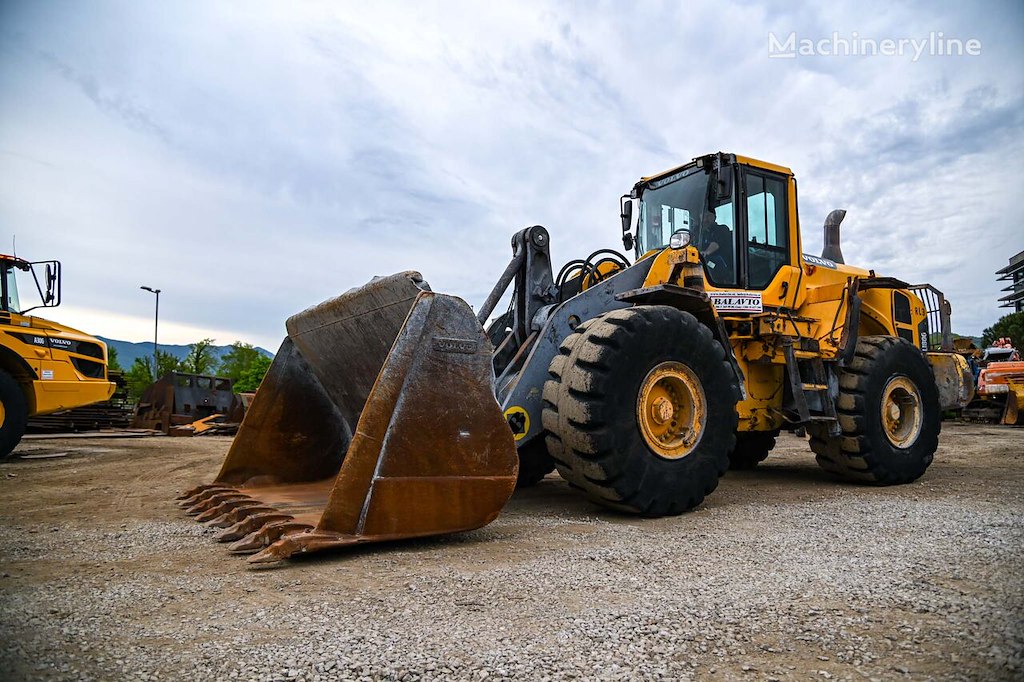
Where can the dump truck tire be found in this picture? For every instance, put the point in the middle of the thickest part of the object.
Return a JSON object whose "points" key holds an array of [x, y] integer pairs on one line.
{"points": [[13, 414], [534, 463], [752, 448], [888, 410], [640, 410]]}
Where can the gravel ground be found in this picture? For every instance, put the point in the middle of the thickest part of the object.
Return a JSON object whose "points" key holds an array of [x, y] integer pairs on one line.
{"points": [[782, 574]]}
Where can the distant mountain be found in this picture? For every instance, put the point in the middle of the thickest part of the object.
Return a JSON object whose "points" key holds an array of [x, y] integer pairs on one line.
{"points": [[127, 351]]}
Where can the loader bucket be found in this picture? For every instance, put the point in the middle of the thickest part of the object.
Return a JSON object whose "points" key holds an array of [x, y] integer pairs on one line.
{"points": [[377, 421], [1014, 412]]}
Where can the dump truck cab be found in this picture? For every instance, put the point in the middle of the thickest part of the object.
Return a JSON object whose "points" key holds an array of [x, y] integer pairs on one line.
{"points": [[45, 367]]}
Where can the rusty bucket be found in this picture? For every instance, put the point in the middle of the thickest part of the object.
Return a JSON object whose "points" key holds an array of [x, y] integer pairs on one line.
{"points": [[377, 421], [1013, 415]]}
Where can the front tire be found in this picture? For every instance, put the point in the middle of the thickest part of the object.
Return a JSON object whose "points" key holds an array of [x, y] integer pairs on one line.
{"points": [[641, 410], [889, 414], [13, 414]]}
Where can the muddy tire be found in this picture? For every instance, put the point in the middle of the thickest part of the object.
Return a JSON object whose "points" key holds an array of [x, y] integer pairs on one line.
{"points": [[889, 414], [640, 410], [534, 463], [13, 414], [752, 448]]}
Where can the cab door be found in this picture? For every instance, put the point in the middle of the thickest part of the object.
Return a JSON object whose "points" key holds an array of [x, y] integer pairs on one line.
{"points": [[766, 251]]}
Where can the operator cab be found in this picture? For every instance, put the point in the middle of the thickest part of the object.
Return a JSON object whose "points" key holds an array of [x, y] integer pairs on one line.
{"points": [[735, 214]]}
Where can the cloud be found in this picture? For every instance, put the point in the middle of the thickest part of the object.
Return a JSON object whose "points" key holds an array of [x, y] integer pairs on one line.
{"points": [[254, 160]]}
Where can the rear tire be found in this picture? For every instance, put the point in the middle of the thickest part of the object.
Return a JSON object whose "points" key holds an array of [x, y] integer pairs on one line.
{"points": [[616, 410], [889, 413], [752, 448], [13, 414]]}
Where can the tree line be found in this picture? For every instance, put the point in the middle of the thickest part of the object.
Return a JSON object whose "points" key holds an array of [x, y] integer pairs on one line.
{"points": [[243, 364], [1008, 327]]}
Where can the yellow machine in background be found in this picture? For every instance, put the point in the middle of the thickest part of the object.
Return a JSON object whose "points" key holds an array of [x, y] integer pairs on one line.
{"points": [[394, 411], [45, 367]]}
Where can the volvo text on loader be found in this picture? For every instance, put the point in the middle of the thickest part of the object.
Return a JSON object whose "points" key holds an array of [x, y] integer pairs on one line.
{"points": [[393, 411], [45, 367]]}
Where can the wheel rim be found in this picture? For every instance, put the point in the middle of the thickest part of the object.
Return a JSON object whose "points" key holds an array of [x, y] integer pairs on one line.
{"points": [[3, 414], [671, 410], [901, 411]]}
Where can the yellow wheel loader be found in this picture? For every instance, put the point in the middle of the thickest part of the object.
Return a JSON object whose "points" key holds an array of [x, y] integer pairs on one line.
{"points": [[393, 411], [45, 367]]}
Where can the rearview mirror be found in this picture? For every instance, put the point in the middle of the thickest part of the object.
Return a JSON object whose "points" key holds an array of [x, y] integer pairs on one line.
{"points": [[51, 279], [49, 288], [630, 215], [723, 183]]}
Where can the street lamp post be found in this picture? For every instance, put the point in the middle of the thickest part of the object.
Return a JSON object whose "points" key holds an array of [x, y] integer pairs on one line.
{"points": [[156, 326]]}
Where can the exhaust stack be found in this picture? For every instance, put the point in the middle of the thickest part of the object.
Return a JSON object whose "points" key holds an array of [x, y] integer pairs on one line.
{"points": [[832, 222]]}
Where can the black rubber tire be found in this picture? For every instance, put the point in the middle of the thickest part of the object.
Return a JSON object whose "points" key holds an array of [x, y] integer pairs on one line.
{"points": [[590, 410], [534, 463], [863, 452], [15, 414], [752, 448]]}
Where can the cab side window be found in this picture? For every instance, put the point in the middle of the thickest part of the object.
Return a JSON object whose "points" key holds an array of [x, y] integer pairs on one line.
{"points": [[767, 234]]}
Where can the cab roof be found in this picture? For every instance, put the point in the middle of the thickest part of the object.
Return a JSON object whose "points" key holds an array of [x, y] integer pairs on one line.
{"points": [[746, 160], [13, 259]]}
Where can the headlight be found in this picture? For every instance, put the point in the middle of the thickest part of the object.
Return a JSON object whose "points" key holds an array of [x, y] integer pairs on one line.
{"points": [[679, 239], [996, 388]]}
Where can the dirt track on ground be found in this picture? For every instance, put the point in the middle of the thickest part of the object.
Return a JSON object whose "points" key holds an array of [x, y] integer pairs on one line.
{"points": [[782, 573]]}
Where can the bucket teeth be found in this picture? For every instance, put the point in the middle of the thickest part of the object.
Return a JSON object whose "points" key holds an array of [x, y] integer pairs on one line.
{"points": [[222, 508], [282, 548], [248, 544], [251, 524], [195, 491], [245, 512], [202, 495], [213, 501], [238, 515], [266, 536], [230, 515]]}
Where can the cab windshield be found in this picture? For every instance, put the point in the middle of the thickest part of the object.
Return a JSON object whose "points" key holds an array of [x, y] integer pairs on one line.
{"points": [[672, 204], [681, 202]]}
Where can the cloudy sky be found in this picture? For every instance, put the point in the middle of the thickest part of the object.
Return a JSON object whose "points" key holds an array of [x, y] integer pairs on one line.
{"points": [[251, 159]]}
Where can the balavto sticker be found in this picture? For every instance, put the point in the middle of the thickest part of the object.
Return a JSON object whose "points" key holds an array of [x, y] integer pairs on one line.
{"points": [[736, 301], [819, 261]]}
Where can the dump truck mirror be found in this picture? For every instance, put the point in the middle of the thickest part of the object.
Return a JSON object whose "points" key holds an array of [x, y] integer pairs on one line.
{"points": [[49, 288], [50, 279]]}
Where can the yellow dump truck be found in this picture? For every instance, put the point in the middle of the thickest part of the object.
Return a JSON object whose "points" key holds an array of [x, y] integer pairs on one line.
{"points": [[45, 367], [394, 411]]}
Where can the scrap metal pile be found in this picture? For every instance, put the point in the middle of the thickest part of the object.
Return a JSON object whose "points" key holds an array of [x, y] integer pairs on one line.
{"points": [[181, 404]]}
